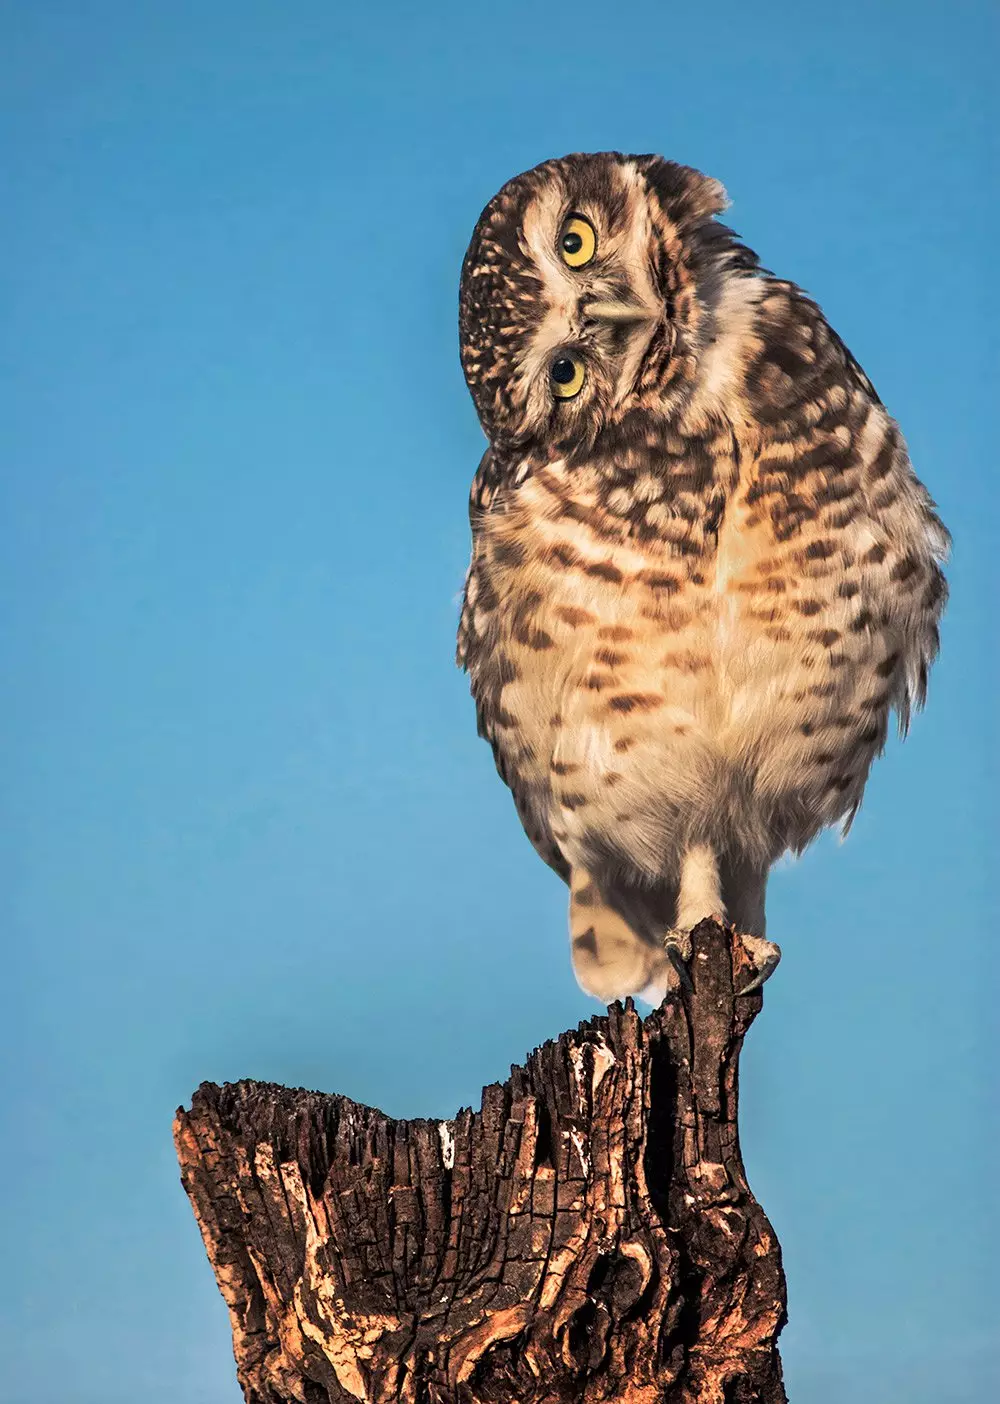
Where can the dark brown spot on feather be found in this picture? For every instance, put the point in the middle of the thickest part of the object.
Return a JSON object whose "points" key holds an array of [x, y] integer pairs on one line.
{"points": [[824, 636], [580, 512], [682, 661], [508, 552], [603, 570], [884, 458], [586, 942], [819, 550], [506, 670], [564, 555], [616, 632], [573, 616], [884, 499], [659, 580], [572, 801], [935, 591], [635, 701], [808, 607], [888, 665], [875, 556], [624, 743], [563, 767], [537, 639]]}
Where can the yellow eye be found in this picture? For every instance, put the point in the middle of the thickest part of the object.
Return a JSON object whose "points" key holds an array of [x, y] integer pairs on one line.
{"points": [[567, 376], [577, 242]]}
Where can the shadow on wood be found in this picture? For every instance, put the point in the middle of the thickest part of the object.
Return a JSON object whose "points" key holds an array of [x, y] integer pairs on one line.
{"points": [[588, 1235]]}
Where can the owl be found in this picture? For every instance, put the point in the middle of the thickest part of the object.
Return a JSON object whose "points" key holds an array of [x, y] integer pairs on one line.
{"points": [[703, 570]]}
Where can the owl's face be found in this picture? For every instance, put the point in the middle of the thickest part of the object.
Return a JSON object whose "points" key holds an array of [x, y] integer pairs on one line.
{"points": [[583, 291]]}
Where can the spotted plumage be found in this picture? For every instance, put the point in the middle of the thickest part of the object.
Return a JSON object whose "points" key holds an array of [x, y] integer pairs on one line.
{"points": [[703, 571]]}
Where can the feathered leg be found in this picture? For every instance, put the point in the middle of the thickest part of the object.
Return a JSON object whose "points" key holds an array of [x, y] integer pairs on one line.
{"points": [[610, 959]]}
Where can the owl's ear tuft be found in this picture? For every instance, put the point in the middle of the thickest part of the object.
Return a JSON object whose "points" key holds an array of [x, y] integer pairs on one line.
{"points": [[688, 197]]}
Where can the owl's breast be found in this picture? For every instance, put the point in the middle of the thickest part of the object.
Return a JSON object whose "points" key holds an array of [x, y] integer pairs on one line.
{"points": [[598, 668], [632, 686], [592, 627]]}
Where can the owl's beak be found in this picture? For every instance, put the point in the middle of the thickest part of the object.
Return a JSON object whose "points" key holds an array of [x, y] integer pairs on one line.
{"points": [[619, 312]]}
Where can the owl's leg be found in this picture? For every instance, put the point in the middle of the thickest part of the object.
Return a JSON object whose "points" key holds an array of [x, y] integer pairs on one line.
{"points": [[700, 893], [610, 959], [744, 885], [733, 889], [699, 896]]}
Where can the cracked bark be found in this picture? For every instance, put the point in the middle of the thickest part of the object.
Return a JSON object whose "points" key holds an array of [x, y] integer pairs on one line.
{"points": [[588, 1235]]}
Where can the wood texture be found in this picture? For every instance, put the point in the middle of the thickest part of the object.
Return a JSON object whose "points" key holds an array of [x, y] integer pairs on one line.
{"points": [[588, 1235]]}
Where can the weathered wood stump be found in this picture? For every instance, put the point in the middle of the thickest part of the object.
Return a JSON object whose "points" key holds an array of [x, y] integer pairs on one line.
{"points": [[588, 1235]]}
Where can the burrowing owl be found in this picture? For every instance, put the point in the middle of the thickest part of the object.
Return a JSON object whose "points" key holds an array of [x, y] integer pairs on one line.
{"points": [[703, 571]]}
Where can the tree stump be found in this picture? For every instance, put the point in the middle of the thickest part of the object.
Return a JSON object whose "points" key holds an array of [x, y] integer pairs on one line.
{"points": [[589, 1235]]}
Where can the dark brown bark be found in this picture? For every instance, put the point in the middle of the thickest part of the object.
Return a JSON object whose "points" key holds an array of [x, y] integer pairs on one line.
{"points": [[588, 1235]]}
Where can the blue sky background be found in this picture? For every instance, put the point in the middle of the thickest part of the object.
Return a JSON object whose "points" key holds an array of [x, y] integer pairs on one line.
{"points": [[247, 827]]}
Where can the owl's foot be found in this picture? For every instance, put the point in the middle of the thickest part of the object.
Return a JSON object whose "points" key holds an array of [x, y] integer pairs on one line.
{"points": [[765, 956], [610, 959], [677, 945]]}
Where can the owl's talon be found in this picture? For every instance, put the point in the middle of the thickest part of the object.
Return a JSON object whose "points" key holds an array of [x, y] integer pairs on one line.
{"points": [[765, 956], [677, 945]]}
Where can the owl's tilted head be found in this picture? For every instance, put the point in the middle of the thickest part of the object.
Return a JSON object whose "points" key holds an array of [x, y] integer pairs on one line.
{"points": [[586, 293]]}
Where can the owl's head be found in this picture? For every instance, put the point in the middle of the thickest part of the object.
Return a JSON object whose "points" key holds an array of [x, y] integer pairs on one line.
{"points": [[585, 292]]}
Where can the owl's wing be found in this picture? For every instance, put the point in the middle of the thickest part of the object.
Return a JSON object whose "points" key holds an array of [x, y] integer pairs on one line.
{"points": [[479, 654], [849, 518], [477, 606], [477, 650]]}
